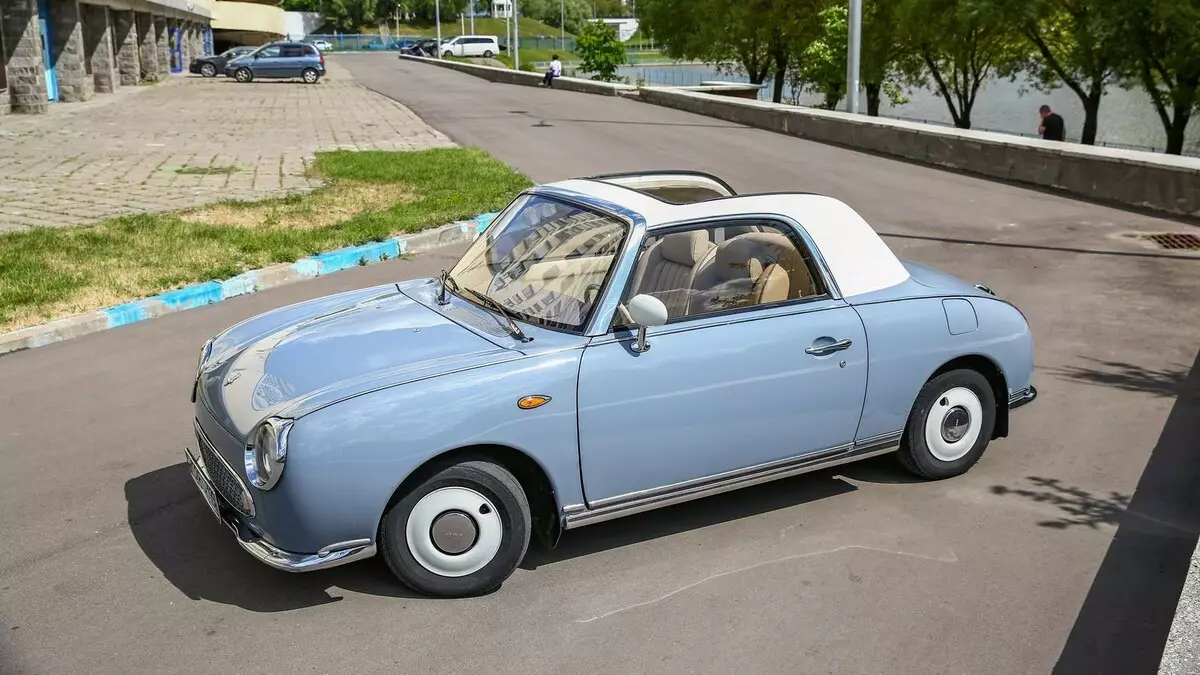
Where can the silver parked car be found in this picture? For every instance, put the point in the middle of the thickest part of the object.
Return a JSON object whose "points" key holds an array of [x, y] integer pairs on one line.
{"points": [[566, 371]]}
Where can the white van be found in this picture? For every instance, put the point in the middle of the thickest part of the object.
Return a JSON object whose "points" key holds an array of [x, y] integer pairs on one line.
{"points": [[486, 46]]}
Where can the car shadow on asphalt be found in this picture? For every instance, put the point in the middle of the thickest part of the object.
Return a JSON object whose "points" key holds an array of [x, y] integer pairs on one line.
{"points": [[200, 557], [693, 515]]}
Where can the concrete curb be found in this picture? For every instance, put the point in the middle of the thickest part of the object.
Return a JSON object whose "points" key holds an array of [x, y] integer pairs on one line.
{"points": [[528, 79], [210, 292]]}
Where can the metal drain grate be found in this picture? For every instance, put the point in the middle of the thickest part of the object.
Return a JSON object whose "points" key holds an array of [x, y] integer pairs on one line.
{"points": [[1175, 241]]}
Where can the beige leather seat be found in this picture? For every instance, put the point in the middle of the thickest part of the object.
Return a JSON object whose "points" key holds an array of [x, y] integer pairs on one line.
{"points": [[667, 270], [750, 269]]}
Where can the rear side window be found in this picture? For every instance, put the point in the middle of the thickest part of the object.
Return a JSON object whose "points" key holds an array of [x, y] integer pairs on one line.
{"points": [[292, 51]]}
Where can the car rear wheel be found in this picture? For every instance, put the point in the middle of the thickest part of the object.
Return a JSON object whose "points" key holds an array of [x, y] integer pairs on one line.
{"points": [[311, 75], [462, 532], [950, 425], [487, 54], [243, 75], [208, 70]]}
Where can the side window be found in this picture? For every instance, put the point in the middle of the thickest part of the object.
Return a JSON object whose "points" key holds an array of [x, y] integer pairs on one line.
{"points": [[291, 51], [724, 267], [268, 52]]}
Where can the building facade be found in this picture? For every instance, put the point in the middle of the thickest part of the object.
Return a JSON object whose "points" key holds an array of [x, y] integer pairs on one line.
{"points": [[66, 50]]}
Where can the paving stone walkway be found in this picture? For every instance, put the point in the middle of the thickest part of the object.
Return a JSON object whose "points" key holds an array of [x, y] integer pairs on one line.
{"points": [[166, 146]]}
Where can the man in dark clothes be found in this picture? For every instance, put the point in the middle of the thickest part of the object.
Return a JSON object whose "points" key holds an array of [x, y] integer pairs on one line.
{"points": [[1053, 128]]}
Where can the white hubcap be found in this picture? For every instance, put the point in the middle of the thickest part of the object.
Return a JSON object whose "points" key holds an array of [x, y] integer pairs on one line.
{"points": [[454, 531], [953, 423]]}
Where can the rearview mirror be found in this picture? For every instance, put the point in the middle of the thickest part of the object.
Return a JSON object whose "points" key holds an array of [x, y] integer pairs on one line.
{"points": [[645, 310]]}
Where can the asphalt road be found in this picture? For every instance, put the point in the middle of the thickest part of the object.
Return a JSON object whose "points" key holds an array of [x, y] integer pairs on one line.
{"points": [[111, 564]]}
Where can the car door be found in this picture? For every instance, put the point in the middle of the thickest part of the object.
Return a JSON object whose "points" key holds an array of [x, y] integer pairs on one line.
{"points": [[291, 60], [265, 62], [737, 379]]}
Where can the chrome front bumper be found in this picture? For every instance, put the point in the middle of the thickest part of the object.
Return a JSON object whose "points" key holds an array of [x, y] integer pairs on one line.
{"points": [[333, 555], [1022, 397]]}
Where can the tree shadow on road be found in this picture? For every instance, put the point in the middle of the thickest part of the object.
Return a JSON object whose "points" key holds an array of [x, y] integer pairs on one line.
{"points": [[1127, 615], [1127, 376], [199, 556], [1082, 508]]}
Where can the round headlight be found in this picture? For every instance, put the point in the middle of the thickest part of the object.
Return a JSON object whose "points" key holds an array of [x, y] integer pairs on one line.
{"points": [[266, 454]]}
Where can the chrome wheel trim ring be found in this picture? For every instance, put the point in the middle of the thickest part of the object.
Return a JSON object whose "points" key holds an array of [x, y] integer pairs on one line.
{"points": [[944, 421], [419, 531]]}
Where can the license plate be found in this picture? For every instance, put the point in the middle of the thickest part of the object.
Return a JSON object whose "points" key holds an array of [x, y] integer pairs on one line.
{"points": [[210, 495]]}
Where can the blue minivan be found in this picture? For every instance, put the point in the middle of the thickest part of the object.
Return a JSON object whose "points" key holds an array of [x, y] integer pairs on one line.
{"points": [[279, 60]]}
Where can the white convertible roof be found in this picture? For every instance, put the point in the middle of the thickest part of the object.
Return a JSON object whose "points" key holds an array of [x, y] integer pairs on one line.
{"points": [[858, 258]]}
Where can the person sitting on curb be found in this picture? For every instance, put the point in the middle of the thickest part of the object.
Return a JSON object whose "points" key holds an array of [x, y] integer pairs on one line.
{"points": [[553, 71]]}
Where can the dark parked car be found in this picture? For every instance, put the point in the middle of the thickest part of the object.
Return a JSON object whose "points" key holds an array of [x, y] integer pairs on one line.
{"points": [[209, 66], [422, 48], [279, 60]]}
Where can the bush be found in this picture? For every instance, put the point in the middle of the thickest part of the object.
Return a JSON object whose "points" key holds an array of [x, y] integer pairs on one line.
{"points": [[600, 51]]}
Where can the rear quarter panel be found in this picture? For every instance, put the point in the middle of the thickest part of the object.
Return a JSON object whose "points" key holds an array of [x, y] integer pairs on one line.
{"points": [[910, 339], [345, 461]]}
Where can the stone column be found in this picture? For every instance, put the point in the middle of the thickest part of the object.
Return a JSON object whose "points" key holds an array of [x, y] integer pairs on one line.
{"points": [[25, 71], [185, 45], [147, 46], [70, 66], [164, 47], [125, 40], [98, 48]]}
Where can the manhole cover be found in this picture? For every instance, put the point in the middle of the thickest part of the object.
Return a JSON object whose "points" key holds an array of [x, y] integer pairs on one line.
{"points": [[1175, 241]]}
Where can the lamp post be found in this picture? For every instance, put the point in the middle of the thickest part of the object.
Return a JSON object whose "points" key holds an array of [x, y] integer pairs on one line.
{"points": [[516, 37], [562, 25], [854, 50], [437, 18], [472, 17]]}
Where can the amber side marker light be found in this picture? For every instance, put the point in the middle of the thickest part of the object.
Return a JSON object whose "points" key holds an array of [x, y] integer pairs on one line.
{"points": [[531, 402]]}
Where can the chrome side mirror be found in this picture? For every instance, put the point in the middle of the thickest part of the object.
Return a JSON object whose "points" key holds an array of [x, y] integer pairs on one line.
{"points": [[645, 310]]}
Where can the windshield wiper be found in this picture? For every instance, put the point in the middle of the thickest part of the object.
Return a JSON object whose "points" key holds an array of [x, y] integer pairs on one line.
{"points": [[511, 324]]}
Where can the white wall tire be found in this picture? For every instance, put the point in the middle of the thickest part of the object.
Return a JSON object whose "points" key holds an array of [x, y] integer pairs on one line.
{"points": [[460, 532], [950, 425]]}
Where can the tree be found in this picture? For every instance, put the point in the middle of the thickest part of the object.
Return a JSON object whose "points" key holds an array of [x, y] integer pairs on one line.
{"points": [[1162, 38], [1078, 43], [713, 31], [350, 15], [960, 45], [600, 51], [820, 65]]}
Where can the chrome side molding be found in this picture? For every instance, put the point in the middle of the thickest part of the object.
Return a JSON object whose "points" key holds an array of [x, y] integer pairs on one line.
{"points": [[578, 515]]}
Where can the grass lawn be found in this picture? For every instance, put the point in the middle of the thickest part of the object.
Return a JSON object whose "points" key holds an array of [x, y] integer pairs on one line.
{"points": [[50, 273]]}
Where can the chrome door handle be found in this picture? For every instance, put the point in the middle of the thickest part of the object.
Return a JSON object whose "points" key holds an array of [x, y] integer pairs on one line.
{"points": [[830, 348]]}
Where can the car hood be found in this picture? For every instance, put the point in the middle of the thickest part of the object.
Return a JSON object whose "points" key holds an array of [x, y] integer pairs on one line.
{"points": [[310, 355]]}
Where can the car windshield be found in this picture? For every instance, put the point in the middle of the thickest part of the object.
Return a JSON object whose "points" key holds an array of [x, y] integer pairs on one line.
{"points": [[544, 260]]}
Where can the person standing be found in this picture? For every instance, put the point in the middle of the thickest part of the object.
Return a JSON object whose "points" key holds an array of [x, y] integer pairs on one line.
{"points": [[553, 71], [1052, 128]]}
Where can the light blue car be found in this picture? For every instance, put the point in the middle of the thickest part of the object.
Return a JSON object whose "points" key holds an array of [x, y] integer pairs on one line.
{"points": [[607, 346]]}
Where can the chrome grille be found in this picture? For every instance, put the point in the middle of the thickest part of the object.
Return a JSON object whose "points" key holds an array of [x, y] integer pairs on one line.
{"points": [[227, 484]]}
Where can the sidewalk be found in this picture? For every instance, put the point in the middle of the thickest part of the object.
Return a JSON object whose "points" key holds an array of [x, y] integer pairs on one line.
{"points": [[1181, 656], [187, 142]]}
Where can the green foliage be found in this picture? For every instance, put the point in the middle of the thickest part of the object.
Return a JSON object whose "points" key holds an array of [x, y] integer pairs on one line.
{"points": [[600, 51], [821, 65], [961, 44], [348, 15]]}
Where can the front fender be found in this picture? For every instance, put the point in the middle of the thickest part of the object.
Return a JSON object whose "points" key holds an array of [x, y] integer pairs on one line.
{"points": [[345, 461]]}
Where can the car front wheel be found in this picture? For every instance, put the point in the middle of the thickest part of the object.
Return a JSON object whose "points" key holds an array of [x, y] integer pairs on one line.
{"points": [[447, 53], [208, 70], [311, 75], [950, 425], [243, 75], [461, 532]]}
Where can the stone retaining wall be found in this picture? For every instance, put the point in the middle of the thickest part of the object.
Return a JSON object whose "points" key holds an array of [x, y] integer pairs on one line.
{"points": [[508, 76], [1165, 183]]}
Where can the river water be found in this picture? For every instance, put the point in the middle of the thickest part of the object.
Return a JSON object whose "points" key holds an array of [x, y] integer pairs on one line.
{"points": [[1127, 117]]}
